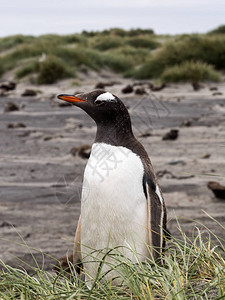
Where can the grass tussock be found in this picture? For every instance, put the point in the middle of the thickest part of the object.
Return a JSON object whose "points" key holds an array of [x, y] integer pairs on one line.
{"points": [[119, 32], [143, 42], [208, 49], [51, 70], [218, 30], [79, 56], [14, 40], [108, 42], [48, 71], [27, 69], [192, 269], [193, 72], [119, 63]]}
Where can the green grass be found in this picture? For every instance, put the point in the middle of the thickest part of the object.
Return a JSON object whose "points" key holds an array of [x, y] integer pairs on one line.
{"points": [[48, 71], [93, 50], [108, 42], [118, 63], [119, 32], [14, 40], [219, 30], [79, 56], [208, 49], [27, 69], [19, 55], [1, 69], [137, 53], [51, 70], [143, 42], [189, 71], [192, 269]]}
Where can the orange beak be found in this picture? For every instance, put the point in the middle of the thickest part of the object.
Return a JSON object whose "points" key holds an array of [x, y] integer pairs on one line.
{"points": [[70, 98]]}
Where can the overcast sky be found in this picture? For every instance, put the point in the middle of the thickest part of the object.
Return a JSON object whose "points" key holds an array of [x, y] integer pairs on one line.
{"points": [[68, 16]]}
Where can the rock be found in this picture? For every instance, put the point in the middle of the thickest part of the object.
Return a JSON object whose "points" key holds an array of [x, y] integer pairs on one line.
{"points": [[29, 92], [83, 151], [16, 125], [176, 162], [217, 94], [3, 93], [213, 88], [7, 224], [196, 86], [47, 138], [206, 155], [127, 89], [157, 87], [146, 134], [140, 91], [217, 189], [171, 135], [10, 106], [24, 134], [50, 137], [100, 85], [8, 85], [162, 173], [187, 123], [22, 105]]}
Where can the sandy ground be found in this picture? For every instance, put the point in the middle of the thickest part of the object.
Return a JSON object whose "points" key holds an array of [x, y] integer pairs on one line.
{"points": [[40, 181]]}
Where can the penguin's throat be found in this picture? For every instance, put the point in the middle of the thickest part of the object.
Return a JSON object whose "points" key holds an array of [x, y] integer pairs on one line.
{"points": [[115, 134]]}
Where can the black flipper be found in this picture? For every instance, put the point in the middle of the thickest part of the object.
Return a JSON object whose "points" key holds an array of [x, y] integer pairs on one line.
{"points": [[156, 214]]}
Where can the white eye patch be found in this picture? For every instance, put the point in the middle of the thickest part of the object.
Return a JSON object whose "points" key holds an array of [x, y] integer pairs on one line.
{"points": [[106, 97]]}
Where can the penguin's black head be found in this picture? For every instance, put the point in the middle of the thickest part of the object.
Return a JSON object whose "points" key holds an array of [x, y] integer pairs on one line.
{"points": [[103, 107]]}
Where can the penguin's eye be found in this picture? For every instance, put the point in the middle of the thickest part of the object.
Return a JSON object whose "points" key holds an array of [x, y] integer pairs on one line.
{"points": [[97, 101]]}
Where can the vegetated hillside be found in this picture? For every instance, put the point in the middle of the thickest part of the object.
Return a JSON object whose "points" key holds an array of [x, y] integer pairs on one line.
{"points": [[135, 53]]}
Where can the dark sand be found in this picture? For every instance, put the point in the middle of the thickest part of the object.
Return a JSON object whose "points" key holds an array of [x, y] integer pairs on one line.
{"points": [[40, 181]]}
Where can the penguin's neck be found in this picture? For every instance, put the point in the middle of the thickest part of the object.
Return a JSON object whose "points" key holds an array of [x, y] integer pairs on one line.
{"points": [[116, 134], [122, 135]]}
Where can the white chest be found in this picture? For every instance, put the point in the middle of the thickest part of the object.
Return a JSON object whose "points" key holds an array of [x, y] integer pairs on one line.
{"points": [[113, 207]]}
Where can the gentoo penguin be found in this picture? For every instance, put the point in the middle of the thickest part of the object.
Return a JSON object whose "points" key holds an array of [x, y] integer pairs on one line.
{"points": [[123, 206]]}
